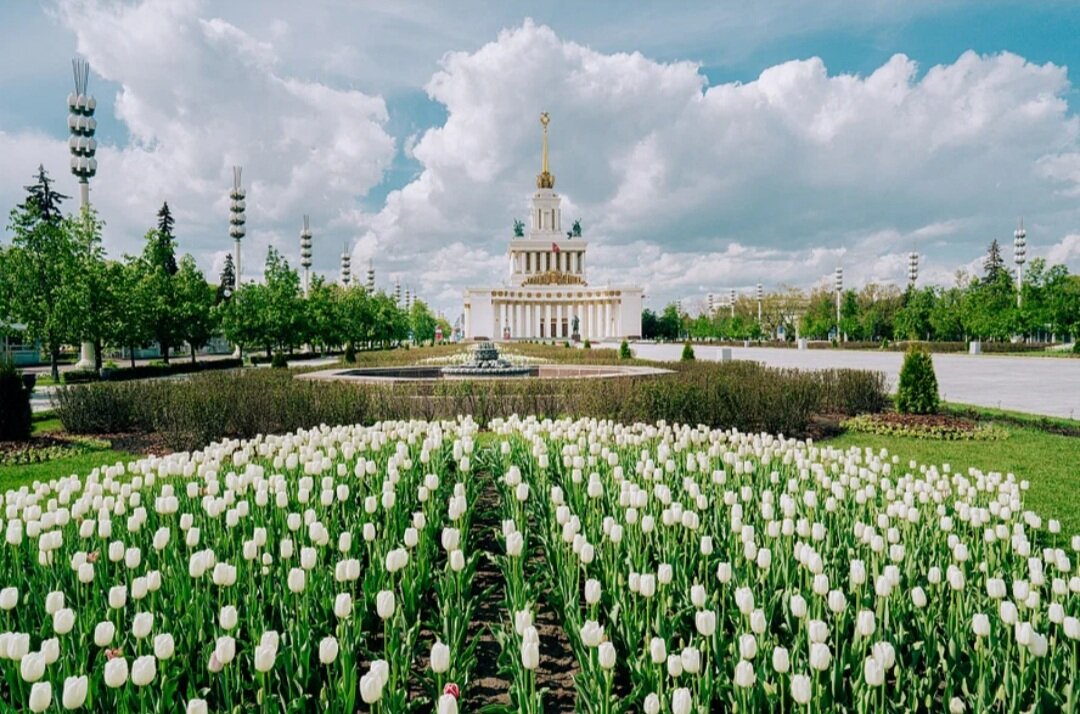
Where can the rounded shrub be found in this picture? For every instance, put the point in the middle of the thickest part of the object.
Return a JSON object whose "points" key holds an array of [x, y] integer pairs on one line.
{"points": [[624, 350], [586, 345], [917, 392], [15, 416], [279, 361], [687, 352]]}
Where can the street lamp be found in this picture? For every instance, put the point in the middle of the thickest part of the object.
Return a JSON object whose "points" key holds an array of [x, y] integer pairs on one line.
{"points": [[712, 304], [83, 147], [237, 217], [760, 296], [346, 266], [839, 289], [305, 253], [913, 268], [397, 293], [1020, 256], [370, 278], [731, 301]]}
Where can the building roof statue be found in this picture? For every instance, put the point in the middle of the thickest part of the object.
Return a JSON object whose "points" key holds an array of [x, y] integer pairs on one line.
{"points": [[546, 179]]}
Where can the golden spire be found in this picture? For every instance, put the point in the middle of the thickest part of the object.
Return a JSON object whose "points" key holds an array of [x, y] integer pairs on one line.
{"points": [[546, 179]]}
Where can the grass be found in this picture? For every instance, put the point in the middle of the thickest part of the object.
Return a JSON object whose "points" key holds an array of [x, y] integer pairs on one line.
{"points": [[1048, 461], [82, 464]]}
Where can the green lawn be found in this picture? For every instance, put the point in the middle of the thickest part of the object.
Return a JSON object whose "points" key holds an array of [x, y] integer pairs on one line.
{"points": [[1050, 462], [81, 464]]}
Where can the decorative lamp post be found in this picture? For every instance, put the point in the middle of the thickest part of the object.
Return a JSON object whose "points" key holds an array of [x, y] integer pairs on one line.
{"points": [[83, 147], [370, 278], [346, 267], [712, 304], [408, 299], [397, 292], [1020, 256], [305, 253], [237, 217], [839, 289], [731, 301], [913, 268], [760, 297]]}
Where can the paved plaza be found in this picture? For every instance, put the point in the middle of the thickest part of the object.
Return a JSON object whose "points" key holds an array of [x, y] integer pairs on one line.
{"points": [[1037, 385]]}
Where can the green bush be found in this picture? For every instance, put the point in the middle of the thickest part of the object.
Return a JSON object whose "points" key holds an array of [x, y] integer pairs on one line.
{"points": [[350, 354], [917, 392], [78, 376], [687, 352], [624, 350], [279, 361], [1076, 347], [586, 345], [15, 415]]}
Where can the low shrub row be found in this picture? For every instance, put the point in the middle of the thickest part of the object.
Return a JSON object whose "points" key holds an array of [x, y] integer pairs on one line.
{"points": [[936, 427], [893, 346], [744, 395], [144, 371]]}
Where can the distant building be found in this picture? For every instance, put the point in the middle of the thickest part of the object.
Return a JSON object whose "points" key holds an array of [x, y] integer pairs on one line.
{"points": [[547, 294]]}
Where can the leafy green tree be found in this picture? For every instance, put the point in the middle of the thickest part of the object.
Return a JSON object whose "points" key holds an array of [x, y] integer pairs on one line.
{"points": [[243, 316], [128, 328], [421, 322], [947, 316], [194, 305], [42, 267], [98, 296], [284, 304], [849, 316], [819, 319], [912, 321], [323, 308], [670, 323], [650, 324], [157, 290]]}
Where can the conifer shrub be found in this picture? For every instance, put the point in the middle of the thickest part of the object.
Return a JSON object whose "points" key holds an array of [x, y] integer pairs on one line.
{"points": [[917, 392], [624, 350], [687, 352]]}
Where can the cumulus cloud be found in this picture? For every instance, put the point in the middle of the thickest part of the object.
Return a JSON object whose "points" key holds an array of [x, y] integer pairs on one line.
{"points": [[687, 187], [682, 186]]}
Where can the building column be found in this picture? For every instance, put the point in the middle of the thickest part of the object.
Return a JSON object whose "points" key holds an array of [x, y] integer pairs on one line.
{"points": [[607, 319], [467, 325]]}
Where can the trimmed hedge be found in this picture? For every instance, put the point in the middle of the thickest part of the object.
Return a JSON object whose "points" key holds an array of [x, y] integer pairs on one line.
{"points": [[745, 395], [15, 414]]}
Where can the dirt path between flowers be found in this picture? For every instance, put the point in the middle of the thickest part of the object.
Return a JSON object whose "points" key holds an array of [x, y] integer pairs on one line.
{"points": [[488, 687]]}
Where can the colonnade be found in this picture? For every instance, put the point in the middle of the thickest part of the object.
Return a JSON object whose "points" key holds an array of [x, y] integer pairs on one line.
{"points": [[535, 262], [516, 319]]}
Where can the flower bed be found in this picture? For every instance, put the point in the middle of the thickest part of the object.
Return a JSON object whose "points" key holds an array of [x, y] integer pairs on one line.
{"points": [[691, 569], [924, 426]]}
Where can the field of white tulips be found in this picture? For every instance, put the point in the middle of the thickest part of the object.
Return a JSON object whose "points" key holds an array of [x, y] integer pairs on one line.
{"points": [[333, 569]]}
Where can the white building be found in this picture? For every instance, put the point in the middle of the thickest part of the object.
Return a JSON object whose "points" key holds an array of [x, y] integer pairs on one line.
{"points": [[546, 290]]}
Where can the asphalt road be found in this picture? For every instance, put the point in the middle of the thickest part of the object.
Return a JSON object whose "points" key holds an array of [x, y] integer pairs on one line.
{"points": [[1036, 385]]}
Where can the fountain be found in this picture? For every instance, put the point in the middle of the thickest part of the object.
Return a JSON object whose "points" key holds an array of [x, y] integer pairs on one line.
{"points": [[486, 362]]}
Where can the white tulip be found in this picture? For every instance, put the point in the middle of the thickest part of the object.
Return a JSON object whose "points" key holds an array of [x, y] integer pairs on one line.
{"points": [[328, 650], [143, 670], [40, 696], [116, 672], [75, 691], [744, 674], [384, 604], [800, 688], [440, 657], [681, 703], [164, 646]]}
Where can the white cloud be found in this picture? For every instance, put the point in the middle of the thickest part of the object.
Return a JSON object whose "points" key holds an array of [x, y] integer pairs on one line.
{"points": [[682, 186]]}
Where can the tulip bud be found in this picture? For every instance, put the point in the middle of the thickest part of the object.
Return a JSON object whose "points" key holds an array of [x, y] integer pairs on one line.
{"points": [[143, 670], [800, 689], [681, 703], [780, 660], [440, 658], [164, 646], [116, 672], [328, 650], [384, 604], [606, 654], [40, 696]]}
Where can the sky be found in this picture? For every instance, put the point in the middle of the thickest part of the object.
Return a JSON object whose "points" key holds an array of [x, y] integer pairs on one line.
{"points": [[704, 146]]}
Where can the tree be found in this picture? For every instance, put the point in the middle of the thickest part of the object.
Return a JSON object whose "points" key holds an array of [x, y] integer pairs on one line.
{"points": [[157, 290], [96, 294], [912, 320], [162, 247], [194, 305], [421, 322], [993, 264], [128, 329], [41, 267], [670, 323], [324, 314], [650, 324], [227, 281], [284, 304]]}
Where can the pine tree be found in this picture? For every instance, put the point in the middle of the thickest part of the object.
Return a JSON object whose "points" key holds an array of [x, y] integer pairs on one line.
{"points": [[227, 281], [42, 200], [163, 251], [994, 264]]}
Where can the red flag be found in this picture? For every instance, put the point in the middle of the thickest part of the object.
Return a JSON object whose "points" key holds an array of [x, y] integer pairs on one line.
{"points": [[555, 247]]}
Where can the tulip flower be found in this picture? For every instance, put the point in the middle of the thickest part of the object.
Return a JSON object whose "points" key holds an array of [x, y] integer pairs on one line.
{"points": [[681, 703], [116, 672], [440, 657], [606, 654], [40, 696], [75, 691], [143, 670], [328, 650], [384, 604]]}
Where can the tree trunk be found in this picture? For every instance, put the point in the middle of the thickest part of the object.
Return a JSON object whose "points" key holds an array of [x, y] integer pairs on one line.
{"points": [[165, 353], [97, 354], [192, 352], [54, 363]]}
